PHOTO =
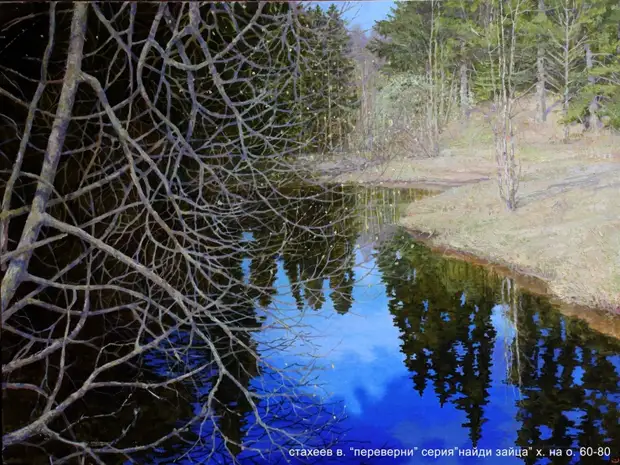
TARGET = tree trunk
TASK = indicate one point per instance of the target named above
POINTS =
(18, 266)
(566, 76)
(441, 113)
(432, 105)
(541, 105)
(592, 121)
(464, 97)
(567, 60)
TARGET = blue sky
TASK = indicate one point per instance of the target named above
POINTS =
(364, 13)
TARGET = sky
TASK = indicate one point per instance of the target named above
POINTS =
(364, 13)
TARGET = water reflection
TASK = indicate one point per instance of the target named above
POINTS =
(397, 347)
(465, 331)
(487, 364)
(444, 314)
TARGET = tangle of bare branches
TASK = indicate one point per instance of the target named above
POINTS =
(138, 143)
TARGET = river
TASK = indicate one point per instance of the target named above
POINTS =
(374, 349)
(415, 355)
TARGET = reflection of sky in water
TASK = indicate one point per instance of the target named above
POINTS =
(369, 376)
(362, 366)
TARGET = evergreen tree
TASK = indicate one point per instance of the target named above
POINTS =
(467, 31)
(404, 37)
(329, 97)
(601, 97)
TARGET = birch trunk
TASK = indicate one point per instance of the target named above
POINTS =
(592, 121)
(464, 90)
(541, 104)
(567, 39)
(432, 73)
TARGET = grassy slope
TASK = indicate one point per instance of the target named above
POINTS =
(567, 228)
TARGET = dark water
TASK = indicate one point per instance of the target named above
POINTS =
(396, 350)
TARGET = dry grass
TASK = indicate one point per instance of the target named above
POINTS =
(565, 233)
(567, 227)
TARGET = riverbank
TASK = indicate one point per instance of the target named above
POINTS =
(566, 230)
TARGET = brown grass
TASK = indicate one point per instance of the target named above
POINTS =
(565, 234)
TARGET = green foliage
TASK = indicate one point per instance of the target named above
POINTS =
(401, 99)
(404, 36)
(448, 316)
(467, 33)
(597, 26)
(327, 94)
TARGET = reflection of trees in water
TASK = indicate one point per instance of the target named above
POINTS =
(348, 216)
(120, 415)
(379, 210)
(570, 391)
(447, 340)
(253, 394)
(320, 249)
(561, 367)
(308, 259)
(232, 398)
(243, 403)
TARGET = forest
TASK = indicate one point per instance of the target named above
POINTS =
(440, 61)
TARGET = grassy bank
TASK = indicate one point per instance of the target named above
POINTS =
(566, 229)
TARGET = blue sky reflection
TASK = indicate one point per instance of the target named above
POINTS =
(369, 376)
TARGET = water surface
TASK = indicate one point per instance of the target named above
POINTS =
(350, 335)
(435, 353)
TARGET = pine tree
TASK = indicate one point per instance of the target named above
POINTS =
(564, 52)
(404, 37)
(585, 60)
(342, 95)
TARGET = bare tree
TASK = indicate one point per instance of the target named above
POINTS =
(511, 299)
(132, 160)
(501, 45)
(464, 83)
(541, 81)
(432, 66)
(367, 81)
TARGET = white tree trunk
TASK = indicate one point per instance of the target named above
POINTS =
(464, 91)
(541, 106)
(567, 44)
(593, 121)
